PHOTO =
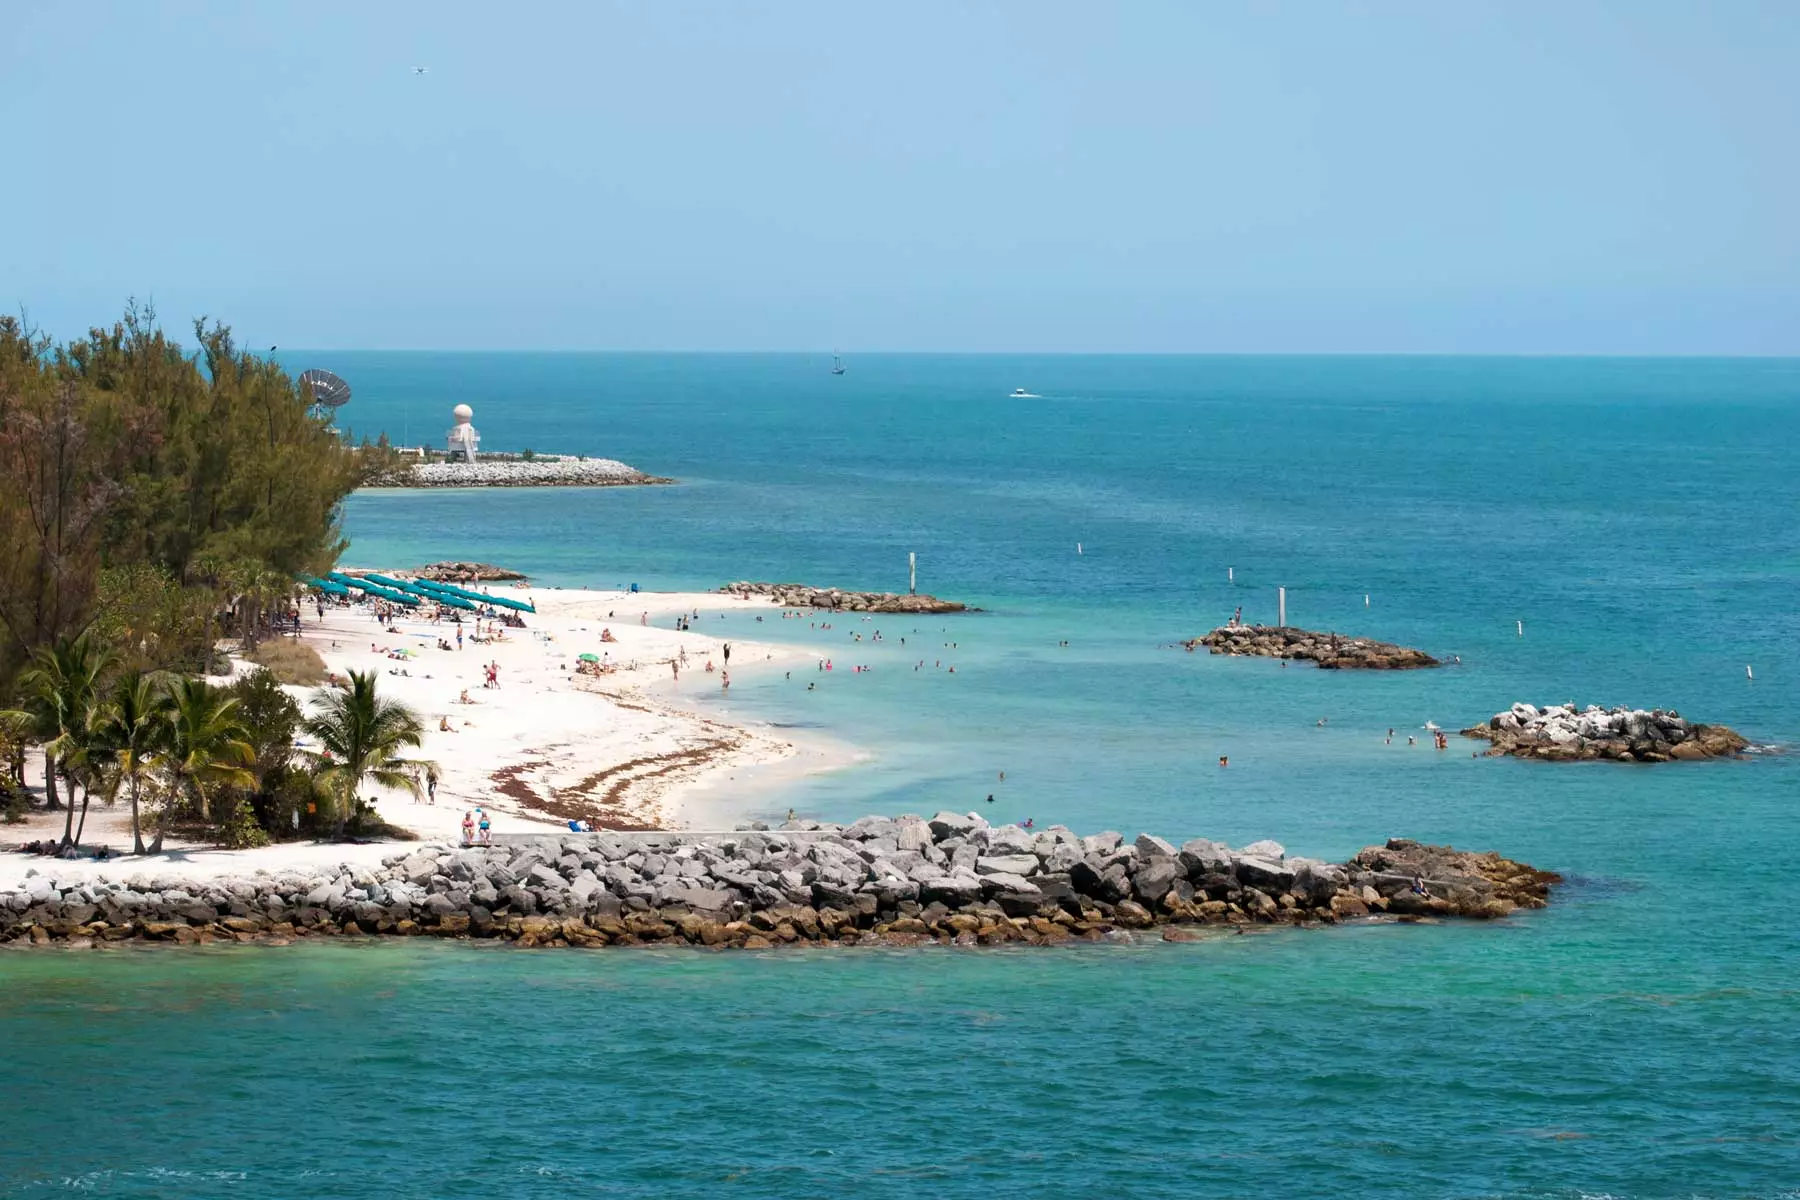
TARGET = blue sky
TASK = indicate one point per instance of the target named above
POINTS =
(1440, 176)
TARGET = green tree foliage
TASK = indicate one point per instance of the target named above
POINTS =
(144, 488)
(361, 737)
(270, 718)
(59, 692)
(129, 736)
(204, 747)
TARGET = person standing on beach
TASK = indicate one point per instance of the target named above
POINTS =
(728, 654)
(459, 635)
(431, 781)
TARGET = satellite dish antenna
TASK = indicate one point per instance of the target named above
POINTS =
(324, 390)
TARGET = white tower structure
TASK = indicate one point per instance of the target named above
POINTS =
(462, 439)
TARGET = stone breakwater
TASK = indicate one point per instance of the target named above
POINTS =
(799, 595)
(952, 879)
(1330, 651)
(468, 572)
(1559, 732)
(544, 471)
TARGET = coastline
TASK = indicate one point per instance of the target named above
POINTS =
(627, 749)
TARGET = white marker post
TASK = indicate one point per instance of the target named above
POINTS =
(1365, 599)
(1521, 628)
(1230, 577)
(1281, 603)
(912, 572)
(1748, 673)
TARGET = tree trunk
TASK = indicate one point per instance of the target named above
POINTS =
(86, 797)
(137, 830)
(50, 801)
(176, 789)
(69, 818)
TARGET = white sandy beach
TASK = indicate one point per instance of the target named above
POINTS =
(620, 749)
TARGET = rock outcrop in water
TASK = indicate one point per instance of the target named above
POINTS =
(799, 595)
(1330, 651)
(1561, 733)
(950, 879)
(467, 572)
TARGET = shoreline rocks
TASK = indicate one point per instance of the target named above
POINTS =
(1331, 651)
(1560, 733)
(952, 879)
(545, 470)
(799, 595)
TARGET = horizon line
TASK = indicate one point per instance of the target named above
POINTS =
(1508, 354)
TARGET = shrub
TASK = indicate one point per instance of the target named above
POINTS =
(291, 662)
(14, 803)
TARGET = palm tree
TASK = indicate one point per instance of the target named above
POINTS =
(360, 737)
(61, 689)
(128, 739)
(203, 745)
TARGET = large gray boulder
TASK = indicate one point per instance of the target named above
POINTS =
(953, 890)
(1274, 851)
(1017, 885)
(1101, 843)
(1006, 864)
(1150, 846)
(1154, 879)
(948, 825)
(913, 835)
(1264, 874)
(1203, 856)
(1010, 839)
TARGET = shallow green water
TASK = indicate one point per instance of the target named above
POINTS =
(1636, 1040)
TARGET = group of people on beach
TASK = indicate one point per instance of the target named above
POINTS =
(477, 830)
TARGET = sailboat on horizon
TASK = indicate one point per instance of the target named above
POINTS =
(837, 365)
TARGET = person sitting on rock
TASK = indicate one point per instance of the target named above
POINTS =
(1418, 886)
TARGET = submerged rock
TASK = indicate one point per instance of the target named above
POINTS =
(1330, 651)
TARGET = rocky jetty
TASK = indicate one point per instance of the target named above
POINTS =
(1331, 651)
(467, 572)
(799, 595)
(951, 879)
(544, 470)
(1562, 733)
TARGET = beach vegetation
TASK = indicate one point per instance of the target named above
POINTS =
(158, 496)
(361, 738)
(290, 662)
(58, 694)
(205, 747)
(270, 717)
(128, 739)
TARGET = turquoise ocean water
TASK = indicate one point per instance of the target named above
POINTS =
(1638, 1039)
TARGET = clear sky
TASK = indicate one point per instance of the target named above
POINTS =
(1537, 176)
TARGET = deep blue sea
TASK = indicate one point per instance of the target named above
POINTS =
(1641, 1038)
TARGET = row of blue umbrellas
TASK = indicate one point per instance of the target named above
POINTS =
(400, 591)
